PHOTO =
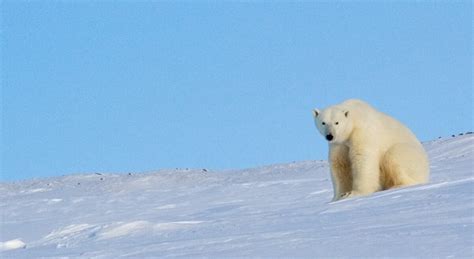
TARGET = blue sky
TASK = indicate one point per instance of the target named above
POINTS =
(132, 87)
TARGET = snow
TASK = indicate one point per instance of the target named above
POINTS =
(11, 244)
(279, 210)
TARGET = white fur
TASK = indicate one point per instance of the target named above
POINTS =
(370, 151)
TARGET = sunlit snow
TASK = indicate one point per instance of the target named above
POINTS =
(279, 210)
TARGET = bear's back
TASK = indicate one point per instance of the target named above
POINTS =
(366, 114)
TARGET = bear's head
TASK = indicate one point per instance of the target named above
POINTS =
(334, 124)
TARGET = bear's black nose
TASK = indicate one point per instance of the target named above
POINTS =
(329, 137)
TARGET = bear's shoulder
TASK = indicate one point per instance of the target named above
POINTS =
(356, 107)
(354, 103)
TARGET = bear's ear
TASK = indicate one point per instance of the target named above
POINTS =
(315, 113)
(346, 113)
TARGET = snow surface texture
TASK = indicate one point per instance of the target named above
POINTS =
(275, 211)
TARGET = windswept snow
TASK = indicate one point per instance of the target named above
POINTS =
(11, 244)
(280, 210)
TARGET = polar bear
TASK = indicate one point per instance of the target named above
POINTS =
(369, 151)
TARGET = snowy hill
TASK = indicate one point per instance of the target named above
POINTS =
(280, 210)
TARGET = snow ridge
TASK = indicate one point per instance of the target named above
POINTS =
(273, 211)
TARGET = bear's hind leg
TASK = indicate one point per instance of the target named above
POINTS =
(403, 165)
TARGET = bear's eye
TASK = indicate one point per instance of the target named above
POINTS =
(337, 123)
(324, 123)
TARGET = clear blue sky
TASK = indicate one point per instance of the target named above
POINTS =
(91, 86)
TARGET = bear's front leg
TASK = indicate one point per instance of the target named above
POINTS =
(340, 170)
(365, 172)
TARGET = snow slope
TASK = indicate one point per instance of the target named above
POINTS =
(279, 210)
